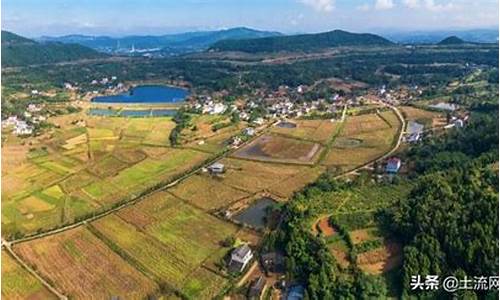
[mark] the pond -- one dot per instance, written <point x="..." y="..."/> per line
<point x="284" y="124"/>
<point x="147" y="94"/>
<point x="255" y="214"/>
<point x="132" y="113"/>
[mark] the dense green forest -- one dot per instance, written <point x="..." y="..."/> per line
<point x="448" y="223"/>
<point x="302" y="42"/>
<point x="238" y="78"/>
<point x="19" y="51"/>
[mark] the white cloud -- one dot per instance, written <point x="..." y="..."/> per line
<point x="363" y="7"/>
<point x="430" y="5"/>
<point x="320" y="5"/>
<point x="412" y="3"/>
<point x="384" y="4"/>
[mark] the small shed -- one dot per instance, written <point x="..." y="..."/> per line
<point x="257" y="288"/>
<point x="216" y="168"/>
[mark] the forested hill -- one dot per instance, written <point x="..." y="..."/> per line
<point x="452" y="40"/>
<point x="20" y="51"/>
<point x="302" y="42"/>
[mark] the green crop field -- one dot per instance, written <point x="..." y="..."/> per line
<point x="81" y="170"/>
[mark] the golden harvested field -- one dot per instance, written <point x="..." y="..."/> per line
<point x="169" y="239"/>
<point x="364" y="138"/>
<point x="428" y="118"/>
<point x="83" y="267"/>
<point x="207" y="192"/>
<point x="255" y="176"/>
<point x="286" y="187"/>
<point x="315" y="130"/>
<point x="17" y="283"/>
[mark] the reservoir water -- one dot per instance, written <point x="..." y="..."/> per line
<point x="147" y="94"/>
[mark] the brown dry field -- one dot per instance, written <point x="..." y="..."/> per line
<point x="207" y="192"/>
<point x="81" y="265"/>
<point x="17" y="283"/>
<point x="412" y="113"/>
<point x="324" y="226"/>
<point x="362" y="124"/>
<point x="315" y="130"/>
<point x="286" y="187"/>
<point x="253" y="176"/>
<point x="376" y="138"/>
<point x="278" y="148"/>
<point x="382" y="259"/>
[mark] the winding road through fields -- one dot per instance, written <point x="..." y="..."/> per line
<point x="8" y="244"/>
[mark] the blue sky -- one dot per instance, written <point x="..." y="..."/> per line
<point x="121" y="17"/>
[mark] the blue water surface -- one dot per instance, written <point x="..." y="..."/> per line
<point x="147" y="94"/>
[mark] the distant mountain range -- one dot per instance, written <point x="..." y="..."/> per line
<point x="432" y="37"/>
<point x="302" y="42"/>
<point x="169" y="43"/>
<point x="20" y="51"/>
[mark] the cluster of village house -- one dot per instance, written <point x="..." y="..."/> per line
<point x="272" y="262"/>
<point x="24" y="126"/>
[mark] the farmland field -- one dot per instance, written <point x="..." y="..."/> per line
<point x="17" y="283"/>
<point x="314" y="130"/>
<point x="362" y="139"/>
<point x="207" y="192"/>
<point x="76" y="171"/>
<point x="170" y="240"/>
<point x="253" y="176"/>
<point x="427" y="118"/>
<point x="275" y="148"/>
<point x="76" y="260"/>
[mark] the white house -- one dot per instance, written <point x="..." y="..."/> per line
<point x="240" y="257"/>
<point x="216" y="168"/>
<point x="249" y="131"/>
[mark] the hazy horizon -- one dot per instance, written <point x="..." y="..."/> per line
<point x="134" y="17"/>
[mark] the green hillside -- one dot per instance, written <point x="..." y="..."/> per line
<point x="20" y="51"/>
<point x="302" y="42"/>
<point x="452" y="40"/>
